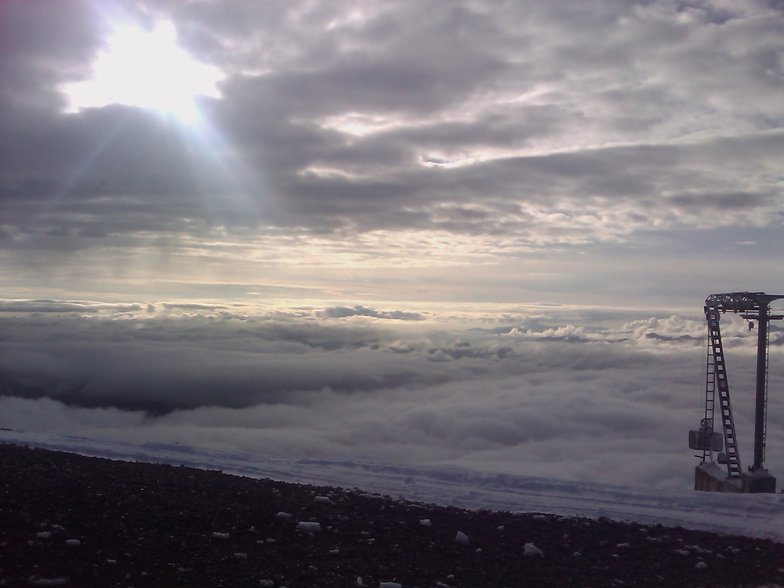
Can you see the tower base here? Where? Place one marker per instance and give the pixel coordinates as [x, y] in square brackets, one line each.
[709, 477]
[759, 481]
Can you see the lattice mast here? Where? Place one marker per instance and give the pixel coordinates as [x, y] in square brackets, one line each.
[753, 306]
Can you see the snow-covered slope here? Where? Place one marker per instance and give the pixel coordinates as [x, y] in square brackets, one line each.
[757, 515]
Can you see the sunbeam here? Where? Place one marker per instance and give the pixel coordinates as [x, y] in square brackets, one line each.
[147, 69]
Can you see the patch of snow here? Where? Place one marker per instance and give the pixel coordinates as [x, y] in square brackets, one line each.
[425, 522]
[221, 536]
[73, 542]
[389, 585]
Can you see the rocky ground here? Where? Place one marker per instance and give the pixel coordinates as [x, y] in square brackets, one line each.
[71, 520]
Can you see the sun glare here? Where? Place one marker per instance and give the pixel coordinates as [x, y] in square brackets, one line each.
[147, 69]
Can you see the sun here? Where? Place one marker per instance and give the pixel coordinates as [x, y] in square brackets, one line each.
[146, 69]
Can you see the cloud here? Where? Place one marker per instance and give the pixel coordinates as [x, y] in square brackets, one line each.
[189, 355]
[364, 155]
[540, 391]
[60, 306]
[202, 356]
[345, 312]
[527, 145]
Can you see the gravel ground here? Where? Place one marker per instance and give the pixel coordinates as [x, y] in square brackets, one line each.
[69, 520]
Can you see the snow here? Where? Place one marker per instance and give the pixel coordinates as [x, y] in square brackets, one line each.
[755, 515]
[461, 538]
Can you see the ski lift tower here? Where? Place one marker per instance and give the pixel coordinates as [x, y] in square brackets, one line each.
[753, 306]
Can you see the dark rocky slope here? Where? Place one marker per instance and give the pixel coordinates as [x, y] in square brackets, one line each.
[71, 520]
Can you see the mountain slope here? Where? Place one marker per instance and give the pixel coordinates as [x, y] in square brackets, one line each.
[81, 521]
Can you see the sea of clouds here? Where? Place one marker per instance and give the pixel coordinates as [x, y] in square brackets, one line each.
[595, 395]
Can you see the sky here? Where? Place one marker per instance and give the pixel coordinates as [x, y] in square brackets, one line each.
[466, 232]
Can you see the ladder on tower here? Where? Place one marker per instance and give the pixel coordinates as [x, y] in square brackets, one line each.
[716, 381]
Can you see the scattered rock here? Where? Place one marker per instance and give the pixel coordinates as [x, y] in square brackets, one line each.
[531, 550]
[364, 540]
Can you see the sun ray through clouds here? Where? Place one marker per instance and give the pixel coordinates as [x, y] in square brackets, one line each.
[147, 69]
[141, 68]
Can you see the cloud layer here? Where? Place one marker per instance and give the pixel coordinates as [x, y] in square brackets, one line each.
[581, 395]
